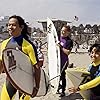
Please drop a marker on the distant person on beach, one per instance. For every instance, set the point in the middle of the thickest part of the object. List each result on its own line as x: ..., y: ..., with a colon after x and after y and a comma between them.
x: 76, y: 47
x: 94, y: 69
x: 66, y: 45
x: 39, y: 52
x: 17, y: 28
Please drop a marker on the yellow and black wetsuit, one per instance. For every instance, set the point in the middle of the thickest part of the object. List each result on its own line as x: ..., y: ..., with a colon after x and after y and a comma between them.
x: 94, y: 84
x: 8, y: 91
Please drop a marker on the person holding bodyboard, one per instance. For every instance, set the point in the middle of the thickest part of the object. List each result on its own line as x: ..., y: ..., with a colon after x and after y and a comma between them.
x: 94, y: 69
x: 17, y: 28
x: 66, y: 45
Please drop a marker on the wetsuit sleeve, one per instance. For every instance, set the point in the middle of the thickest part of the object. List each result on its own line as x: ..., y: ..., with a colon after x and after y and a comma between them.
x: 1, y: 49
x: 0, y: 52
x: 36, y: 54
x: 90, y: 84
x: 3, y: 45
x: 69, y: 45
x: 28, y: 49
x: 35, y: 50
x: 32, y: 55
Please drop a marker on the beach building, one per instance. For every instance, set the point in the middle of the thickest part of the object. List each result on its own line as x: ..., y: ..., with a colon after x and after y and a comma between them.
x: 57, y: 23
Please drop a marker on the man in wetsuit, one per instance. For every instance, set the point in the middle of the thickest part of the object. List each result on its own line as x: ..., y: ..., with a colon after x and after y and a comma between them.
x: 17, y: 28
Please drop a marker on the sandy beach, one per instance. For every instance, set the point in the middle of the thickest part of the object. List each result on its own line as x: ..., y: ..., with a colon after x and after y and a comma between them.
x: 78, y: 59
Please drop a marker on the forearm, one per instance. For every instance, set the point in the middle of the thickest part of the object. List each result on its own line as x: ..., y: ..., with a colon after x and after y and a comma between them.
x: 90, y: 84
x: 37, y: 75
x: 67, y: 52
x: 1, y: 67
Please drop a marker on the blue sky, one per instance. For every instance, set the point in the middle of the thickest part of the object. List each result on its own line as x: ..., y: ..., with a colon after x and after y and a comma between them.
x: 88, y: 11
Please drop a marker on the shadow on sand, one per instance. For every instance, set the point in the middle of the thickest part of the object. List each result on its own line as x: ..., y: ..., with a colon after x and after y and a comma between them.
x: 75, y: 96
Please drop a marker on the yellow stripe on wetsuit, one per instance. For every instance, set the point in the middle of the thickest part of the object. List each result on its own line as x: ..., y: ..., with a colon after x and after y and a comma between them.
x: 93, y: 83
x: 27, y: 49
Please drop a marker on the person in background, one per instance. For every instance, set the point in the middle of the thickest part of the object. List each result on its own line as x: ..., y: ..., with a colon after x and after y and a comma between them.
x: 17, y: 28
x: 66, y: 45
x: 39, y: 53
x: 76, y: 46
x: 94, y: 69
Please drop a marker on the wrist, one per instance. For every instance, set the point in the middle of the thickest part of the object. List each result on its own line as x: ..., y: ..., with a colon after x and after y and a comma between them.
x: 78, y: 89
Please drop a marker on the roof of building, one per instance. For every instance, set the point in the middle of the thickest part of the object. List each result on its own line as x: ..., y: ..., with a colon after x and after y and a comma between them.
x: 53, y: 19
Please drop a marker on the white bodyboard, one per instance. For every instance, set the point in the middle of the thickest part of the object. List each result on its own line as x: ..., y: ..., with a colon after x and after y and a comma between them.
x: 19, y: 70
x: 79, y: 76
x: 53, y: 55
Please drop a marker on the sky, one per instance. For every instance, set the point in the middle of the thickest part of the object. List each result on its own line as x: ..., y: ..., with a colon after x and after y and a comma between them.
x: 88, y: 11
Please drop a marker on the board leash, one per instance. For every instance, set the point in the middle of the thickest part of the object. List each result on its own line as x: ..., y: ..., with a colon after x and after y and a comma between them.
x: 58, y: 75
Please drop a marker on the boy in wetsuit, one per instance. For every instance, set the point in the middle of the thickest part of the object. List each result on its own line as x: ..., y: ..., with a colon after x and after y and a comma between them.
x: 66, y: 45
x: 94, y: 69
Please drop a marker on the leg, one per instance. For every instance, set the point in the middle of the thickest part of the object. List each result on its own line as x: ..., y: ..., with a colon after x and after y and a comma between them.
x: 63, y: 81
x: 37, y: 79
x: 59, y: 87
x: 63, y: 78
x: 8, y: 91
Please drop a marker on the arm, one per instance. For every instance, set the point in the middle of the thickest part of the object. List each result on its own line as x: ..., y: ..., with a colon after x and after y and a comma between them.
x: 1, y: 67
x: 37, y: 75
x: 93, y: 83
x: 66, y: 51
x: 36, y: 68
x: 2, y: 47
x: 35, y: 65
x: 67, y: 48
x: 37, y: 79
x: 90, y: 84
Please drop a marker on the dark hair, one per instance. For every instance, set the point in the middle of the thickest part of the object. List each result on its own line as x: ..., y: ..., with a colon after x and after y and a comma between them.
x: 21, y: 22
x: 97, y: 46
x: 68, y: 27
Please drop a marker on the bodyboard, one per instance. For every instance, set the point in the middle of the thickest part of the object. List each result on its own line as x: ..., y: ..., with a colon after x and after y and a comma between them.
x: 53, y: 55
x: 18, y: 68
x: 79, y: 76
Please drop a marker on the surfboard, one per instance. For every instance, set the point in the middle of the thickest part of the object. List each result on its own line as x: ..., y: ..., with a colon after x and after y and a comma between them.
x: 53, y: 55
x: 19, y: 70
x: 79, y: 76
